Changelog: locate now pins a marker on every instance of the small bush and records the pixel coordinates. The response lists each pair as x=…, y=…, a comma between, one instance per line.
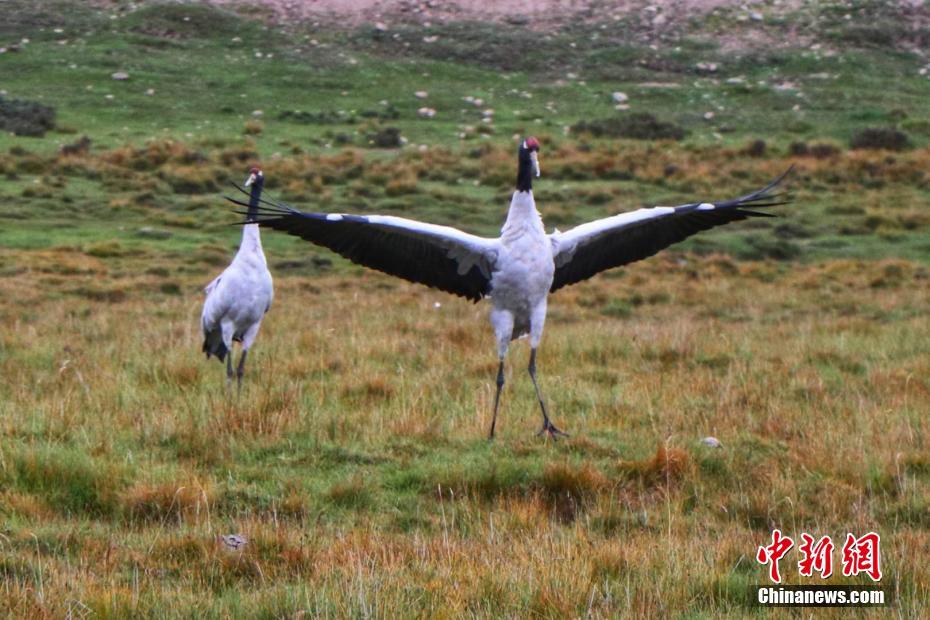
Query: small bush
x=387, y=138
x=799, y=149
x=403, y=184
x=824, y=151
x=76, y=148
x=880, y=138
x=352, y=493
x=762, y=248
x=70, y=482
x=26, y=118
x=756, y=148
x=253, y=127
x=191, y=179
x=817, y=151
x=184, y=21
x=635, y=126
x=875, y=34
x=667, y=466
x=617, y=308
x=159, y=502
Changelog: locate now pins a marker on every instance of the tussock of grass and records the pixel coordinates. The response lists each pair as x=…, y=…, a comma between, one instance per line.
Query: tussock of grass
x=69, y=482
x=666, y=467
x=187, y=502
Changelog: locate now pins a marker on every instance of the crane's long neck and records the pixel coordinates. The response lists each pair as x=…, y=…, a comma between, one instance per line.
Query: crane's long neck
x=251, y=240
x=251, y=237
x=522, y=217
x=254, y=197
x=525, y=171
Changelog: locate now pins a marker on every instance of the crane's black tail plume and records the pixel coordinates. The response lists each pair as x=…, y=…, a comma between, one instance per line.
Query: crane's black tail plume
x=213, y=344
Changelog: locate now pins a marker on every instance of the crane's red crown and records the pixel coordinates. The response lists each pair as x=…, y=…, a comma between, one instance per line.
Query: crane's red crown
x=255, y=170
x=532, y=144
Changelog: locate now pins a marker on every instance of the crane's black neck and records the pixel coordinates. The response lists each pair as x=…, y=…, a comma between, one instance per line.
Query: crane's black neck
x=525, y=170
x=254, y=197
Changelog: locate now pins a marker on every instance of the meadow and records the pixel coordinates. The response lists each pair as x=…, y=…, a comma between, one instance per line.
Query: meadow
x=355, y=461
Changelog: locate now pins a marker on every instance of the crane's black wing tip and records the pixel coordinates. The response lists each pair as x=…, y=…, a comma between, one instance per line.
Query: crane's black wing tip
x=263, y=199
x=763, y=197
x=267, y=209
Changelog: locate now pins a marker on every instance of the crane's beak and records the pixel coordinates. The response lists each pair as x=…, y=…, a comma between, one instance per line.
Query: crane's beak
x=534, y=157
x=249, y=180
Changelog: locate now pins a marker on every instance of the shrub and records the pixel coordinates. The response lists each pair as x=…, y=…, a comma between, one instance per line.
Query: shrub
x=756, y=148
x=191, y=179
x=253, y=127
x=26, y=118
x=880, y=138
x=799, y=149
x=351, y=493
x=70, y=482
x=387, y=138
x=76, y=148
x=642, y=126
x=159, y=502
x=824, y=151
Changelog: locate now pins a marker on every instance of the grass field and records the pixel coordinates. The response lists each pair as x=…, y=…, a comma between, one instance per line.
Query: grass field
x=355, y=462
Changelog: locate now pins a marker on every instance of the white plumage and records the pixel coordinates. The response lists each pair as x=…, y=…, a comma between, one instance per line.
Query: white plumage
x=238, y=299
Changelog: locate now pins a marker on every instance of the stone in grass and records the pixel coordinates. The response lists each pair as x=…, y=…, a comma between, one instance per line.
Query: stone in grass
x=711, y=442
x=233, y=542
x=120, y=76
x=147, y=232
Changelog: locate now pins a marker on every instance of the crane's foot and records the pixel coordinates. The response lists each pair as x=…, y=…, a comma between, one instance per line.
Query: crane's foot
x=549, y=430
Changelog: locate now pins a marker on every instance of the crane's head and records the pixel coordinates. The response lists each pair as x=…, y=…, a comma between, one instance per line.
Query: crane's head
x=528, y=164
x=255, y=176
x=531, y=145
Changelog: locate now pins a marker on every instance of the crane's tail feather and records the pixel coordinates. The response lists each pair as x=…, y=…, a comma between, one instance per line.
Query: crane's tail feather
x=213, y=345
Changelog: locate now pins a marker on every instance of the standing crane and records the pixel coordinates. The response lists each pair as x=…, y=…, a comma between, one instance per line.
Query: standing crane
x=519, y=269
x=238, y=299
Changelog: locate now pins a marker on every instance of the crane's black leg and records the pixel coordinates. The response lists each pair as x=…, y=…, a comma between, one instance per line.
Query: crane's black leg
x=497, y=397
x=548, y=427
x=229, y=369
x=240, y=370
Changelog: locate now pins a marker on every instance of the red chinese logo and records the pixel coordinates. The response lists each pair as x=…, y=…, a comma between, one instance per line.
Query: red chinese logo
x=861, y=555
x=817, y=557
x=774, y=552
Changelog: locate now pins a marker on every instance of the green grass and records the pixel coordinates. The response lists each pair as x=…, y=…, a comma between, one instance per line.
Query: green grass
x=207, y=83
x=354, y=461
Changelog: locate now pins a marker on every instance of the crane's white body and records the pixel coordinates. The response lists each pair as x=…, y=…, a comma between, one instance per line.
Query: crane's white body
x=239, y=298
x=518, y=270
x=521, y=275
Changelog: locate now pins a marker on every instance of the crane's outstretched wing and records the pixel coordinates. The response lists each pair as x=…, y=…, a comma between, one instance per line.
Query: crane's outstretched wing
x=215, y=306
x=437, y=256
x=591, y=248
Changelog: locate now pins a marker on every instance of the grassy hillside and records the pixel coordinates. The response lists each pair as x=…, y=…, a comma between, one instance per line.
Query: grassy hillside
x=354, y=462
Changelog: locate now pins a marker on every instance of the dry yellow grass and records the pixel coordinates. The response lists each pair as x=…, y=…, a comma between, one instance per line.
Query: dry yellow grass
x=355, y=462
